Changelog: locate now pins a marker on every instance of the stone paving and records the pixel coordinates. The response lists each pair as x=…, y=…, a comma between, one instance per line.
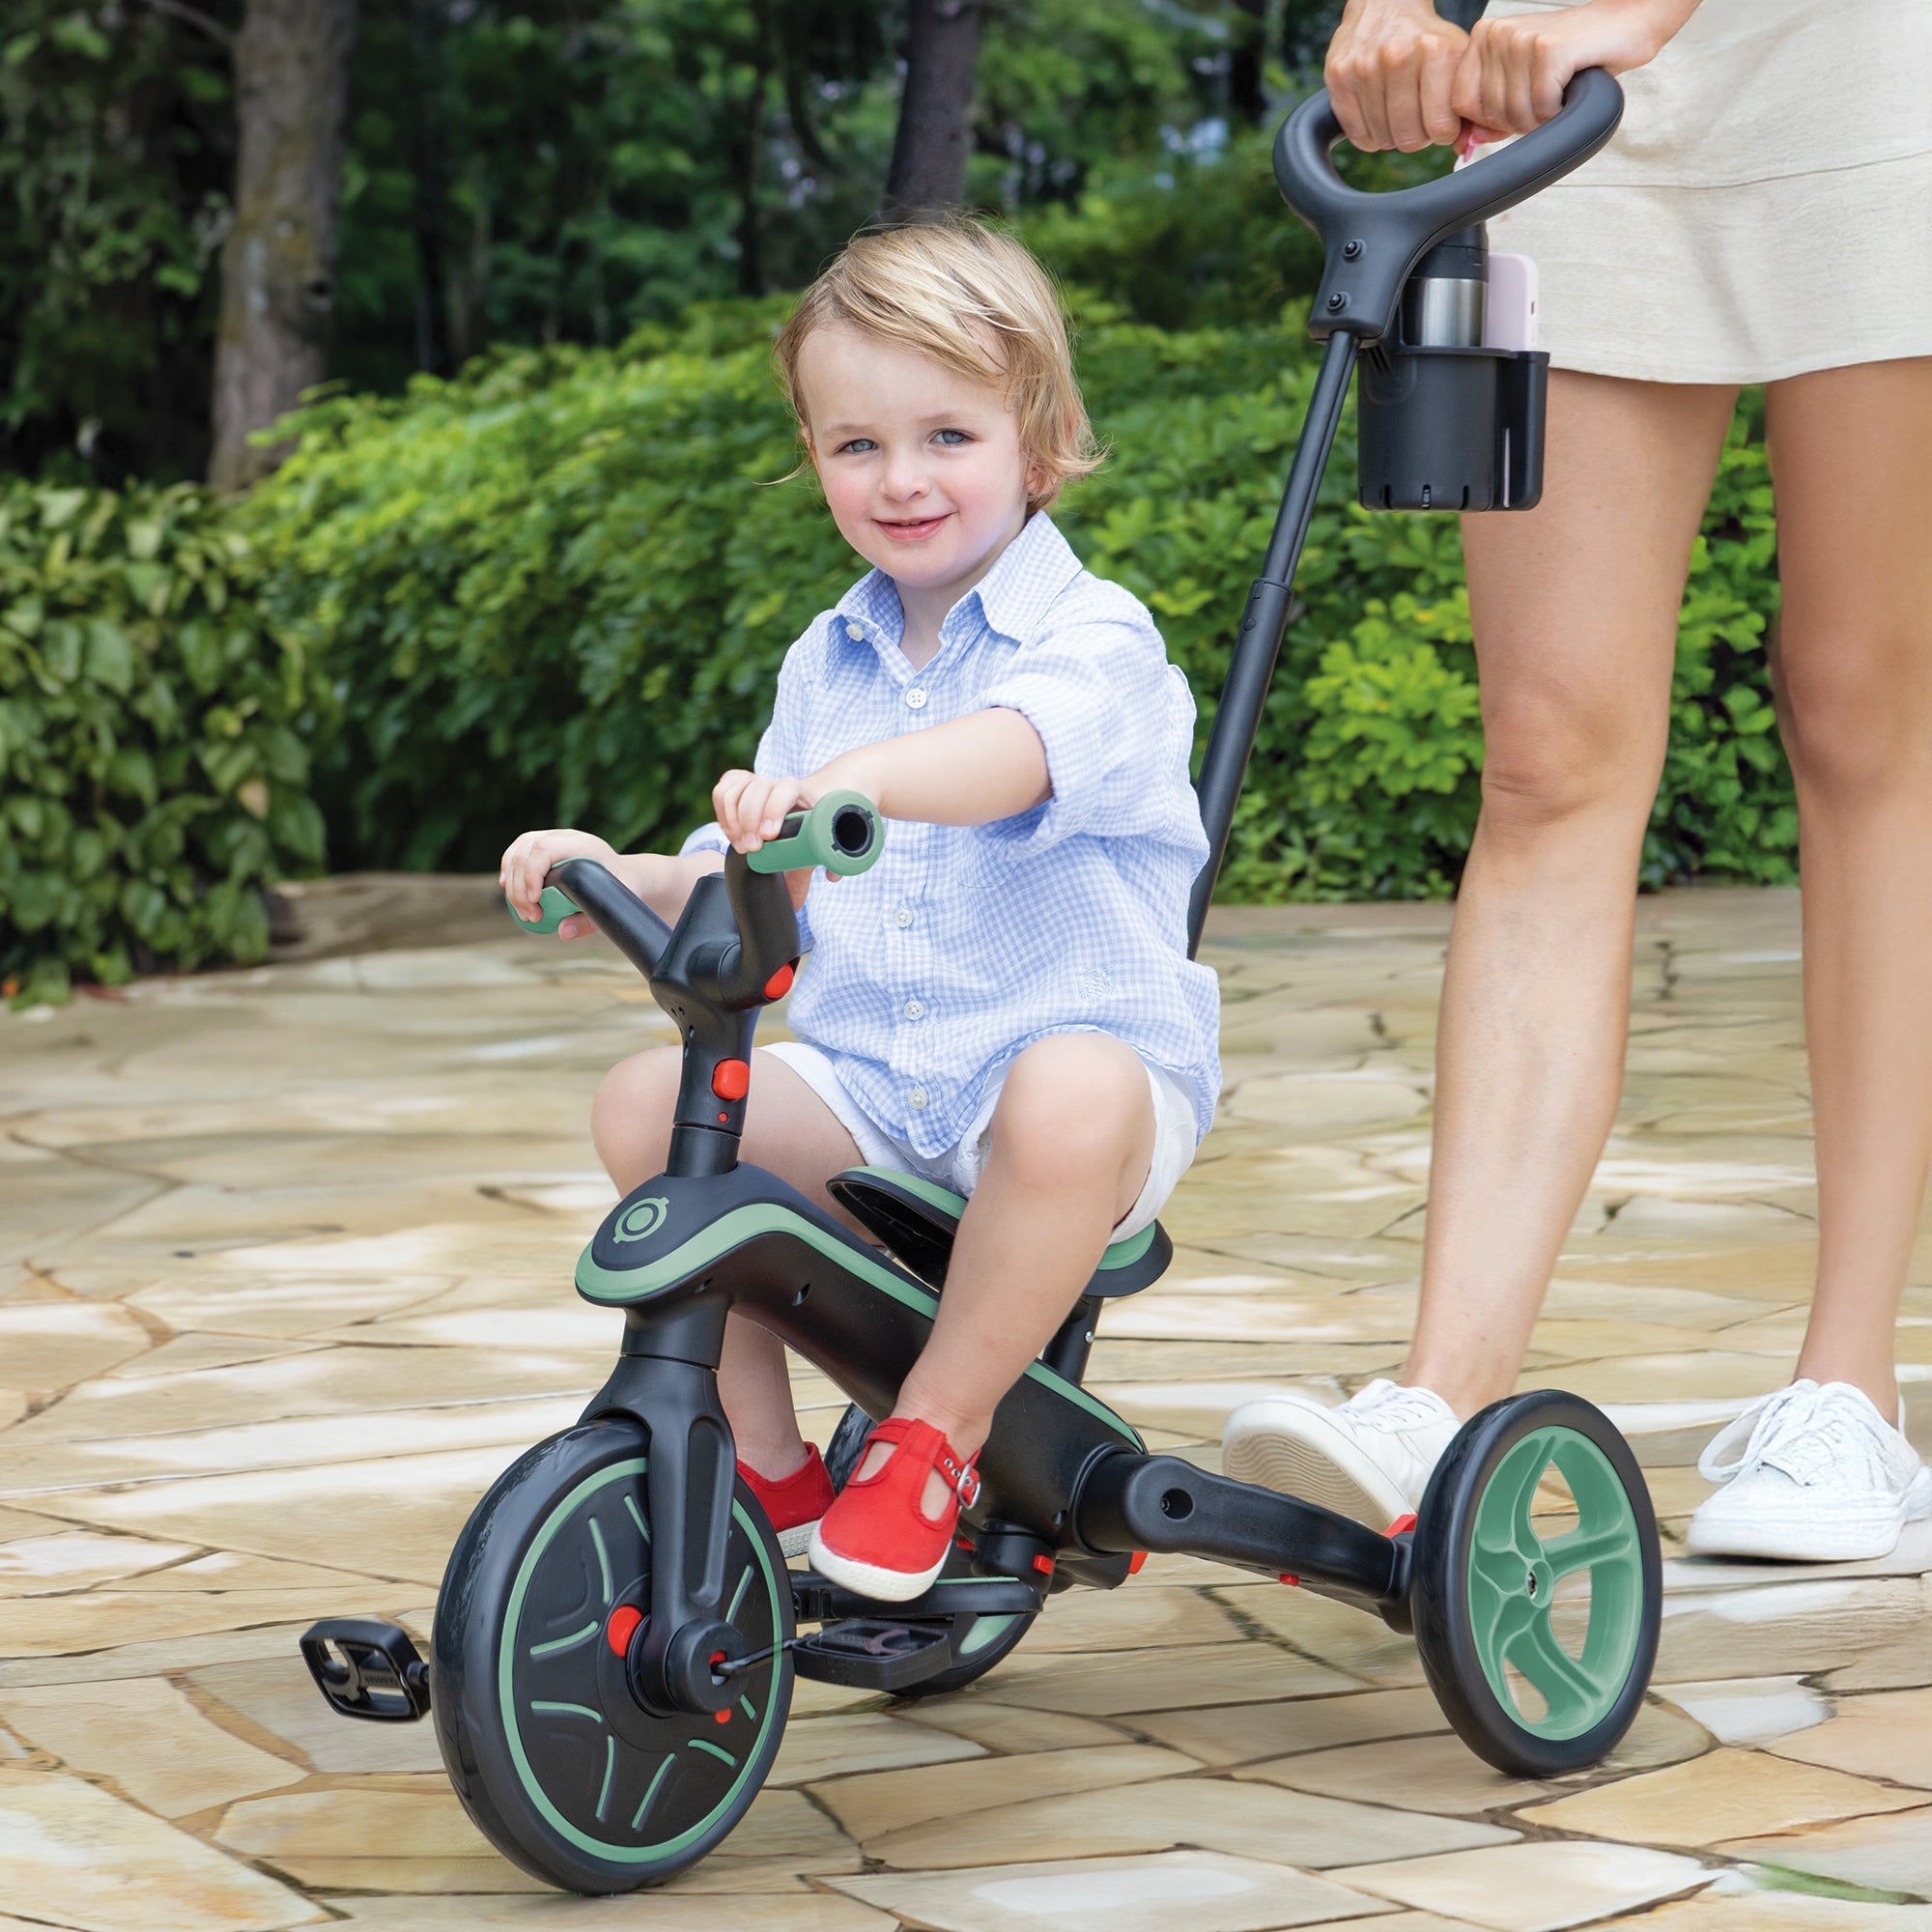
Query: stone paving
x=284, y=1264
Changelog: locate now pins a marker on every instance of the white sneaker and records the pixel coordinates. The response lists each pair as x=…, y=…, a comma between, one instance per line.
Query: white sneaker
x=1822, y=1477
x=1369, y=1458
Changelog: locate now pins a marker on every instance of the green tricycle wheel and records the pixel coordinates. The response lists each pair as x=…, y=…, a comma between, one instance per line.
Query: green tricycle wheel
x=1490, y=1619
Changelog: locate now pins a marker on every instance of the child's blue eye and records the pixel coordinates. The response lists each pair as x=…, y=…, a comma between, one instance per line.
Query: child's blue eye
x=859, y=443
x=959, y=436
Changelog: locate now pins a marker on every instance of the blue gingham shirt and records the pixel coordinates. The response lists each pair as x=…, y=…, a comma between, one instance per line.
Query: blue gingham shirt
x=966, y=943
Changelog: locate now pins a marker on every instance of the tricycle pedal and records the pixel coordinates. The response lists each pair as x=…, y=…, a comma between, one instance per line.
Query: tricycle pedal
x=817, y=1600
x=377, y=1672
x=873, y=1655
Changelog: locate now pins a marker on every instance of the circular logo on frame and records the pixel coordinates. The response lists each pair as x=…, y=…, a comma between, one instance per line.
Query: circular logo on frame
x=642, y=1219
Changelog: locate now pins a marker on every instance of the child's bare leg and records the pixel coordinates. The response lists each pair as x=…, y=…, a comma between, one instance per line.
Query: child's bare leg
x=788, y=1131
x=1072, y=1140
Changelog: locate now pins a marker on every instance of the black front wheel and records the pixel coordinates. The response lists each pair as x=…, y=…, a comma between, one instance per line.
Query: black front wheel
x=556, y=1760
x=1537, y=1585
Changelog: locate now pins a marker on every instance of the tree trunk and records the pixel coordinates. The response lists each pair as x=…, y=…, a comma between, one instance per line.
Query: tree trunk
x=928, y=169
x=428, y=146
x=1246, y=94
x=278, y=262
x=748, y=150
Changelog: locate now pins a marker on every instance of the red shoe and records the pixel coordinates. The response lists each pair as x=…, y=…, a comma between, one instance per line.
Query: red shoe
x=877, y=1539
x=794, y=1504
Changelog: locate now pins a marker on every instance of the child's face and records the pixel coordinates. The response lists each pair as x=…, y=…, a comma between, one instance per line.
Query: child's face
x=922, y=467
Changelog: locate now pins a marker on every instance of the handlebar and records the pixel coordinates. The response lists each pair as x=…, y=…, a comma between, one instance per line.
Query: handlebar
x=1373, y=242
x=583, y=885
x=842, y=833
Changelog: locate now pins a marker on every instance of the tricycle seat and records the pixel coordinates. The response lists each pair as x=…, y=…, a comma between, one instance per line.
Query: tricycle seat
x=916, y=1219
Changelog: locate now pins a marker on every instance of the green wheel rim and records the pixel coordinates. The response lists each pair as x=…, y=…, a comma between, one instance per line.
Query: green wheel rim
x=604, y=1791
x=1513, y=1575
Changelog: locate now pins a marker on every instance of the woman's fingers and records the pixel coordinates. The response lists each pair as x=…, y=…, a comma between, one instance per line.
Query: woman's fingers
x=1388, y=72
x=1522, y=54
x=1513, y=72
x=1440, y=123
x=1549, y=76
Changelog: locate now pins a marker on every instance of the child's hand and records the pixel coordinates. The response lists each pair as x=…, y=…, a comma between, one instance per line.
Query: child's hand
x=528, y=860
x=752, y=809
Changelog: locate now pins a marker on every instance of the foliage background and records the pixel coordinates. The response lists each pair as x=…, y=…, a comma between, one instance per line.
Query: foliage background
x=152, y=737
x=557, y=591
x=530, y=564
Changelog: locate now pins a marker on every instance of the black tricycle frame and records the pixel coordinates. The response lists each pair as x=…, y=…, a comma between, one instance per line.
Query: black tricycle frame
x=1068, y=1492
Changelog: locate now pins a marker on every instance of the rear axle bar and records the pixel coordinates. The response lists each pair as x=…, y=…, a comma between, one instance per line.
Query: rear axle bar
x=1158, y=1502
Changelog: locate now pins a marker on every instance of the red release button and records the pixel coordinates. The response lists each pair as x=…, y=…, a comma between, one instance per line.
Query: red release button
x=778, y=985
x=622, y=1627
x=732, y=1080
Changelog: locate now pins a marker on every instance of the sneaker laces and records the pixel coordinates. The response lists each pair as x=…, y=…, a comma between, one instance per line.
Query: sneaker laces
x=1389, y=1405
x=1804, y=1431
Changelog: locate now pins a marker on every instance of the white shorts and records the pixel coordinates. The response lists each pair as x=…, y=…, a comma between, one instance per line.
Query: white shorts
x=960, y=1166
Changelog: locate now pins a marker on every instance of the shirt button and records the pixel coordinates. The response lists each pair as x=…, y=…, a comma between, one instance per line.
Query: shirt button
x=916, y=699
x=917, y=1097
x=914, y=1008
x=855, y=632
x=903, y=917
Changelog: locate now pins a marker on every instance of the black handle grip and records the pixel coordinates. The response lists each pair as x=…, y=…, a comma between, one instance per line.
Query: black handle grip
x=624, y=919
x=1373, y=242
x=761, y=908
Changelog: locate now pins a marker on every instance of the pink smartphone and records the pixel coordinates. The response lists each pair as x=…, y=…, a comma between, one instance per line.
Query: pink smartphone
x=1509, y=313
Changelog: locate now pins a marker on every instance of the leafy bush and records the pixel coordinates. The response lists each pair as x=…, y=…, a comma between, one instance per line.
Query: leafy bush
x=152, y=774
x=556, y=590
x=551, y=592
x=1366, y=776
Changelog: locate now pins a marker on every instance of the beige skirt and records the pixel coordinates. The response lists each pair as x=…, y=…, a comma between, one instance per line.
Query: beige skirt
x=1765, y=209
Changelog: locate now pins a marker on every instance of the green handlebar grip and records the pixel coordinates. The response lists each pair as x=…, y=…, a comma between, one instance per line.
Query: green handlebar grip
x=842, y=832
x=557, y=906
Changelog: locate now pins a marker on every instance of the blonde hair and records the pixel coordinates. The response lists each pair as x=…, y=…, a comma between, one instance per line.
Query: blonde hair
x=975, y=300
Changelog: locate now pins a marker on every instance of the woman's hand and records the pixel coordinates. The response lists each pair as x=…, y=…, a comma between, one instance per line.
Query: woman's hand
x=1514, y=71
x=529, y=859
x=1390, y=73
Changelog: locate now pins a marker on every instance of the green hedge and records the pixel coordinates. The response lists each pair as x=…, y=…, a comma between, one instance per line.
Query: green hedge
x=556, y=589
x=152, y=769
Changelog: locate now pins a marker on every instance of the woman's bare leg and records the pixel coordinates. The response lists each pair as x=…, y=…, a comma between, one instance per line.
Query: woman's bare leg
x=788, y=1131
x=1575, y=606
x=1855, y=689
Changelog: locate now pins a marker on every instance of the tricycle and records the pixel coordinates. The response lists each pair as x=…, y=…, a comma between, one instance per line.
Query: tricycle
x=618, y=1632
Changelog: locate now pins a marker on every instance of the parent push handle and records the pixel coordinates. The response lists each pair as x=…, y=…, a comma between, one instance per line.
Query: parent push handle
x=1373, y=242
x=1372, y=245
